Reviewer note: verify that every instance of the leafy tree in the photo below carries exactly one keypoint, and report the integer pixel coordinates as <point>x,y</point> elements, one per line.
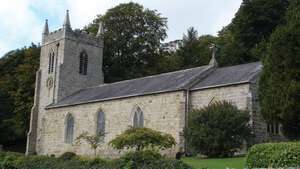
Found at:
<point>194,50</point>
<point>280,81</point>
<point>17,72</point>
<point>218,129</point>
<point>94,141</point>
<point>141,139</point>
<point>132,37</point>
<point>254,22</point>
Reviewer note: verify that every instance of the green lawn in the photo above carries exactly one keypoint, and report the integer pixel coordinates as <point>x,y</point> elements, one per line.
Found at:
<point>221,163</point>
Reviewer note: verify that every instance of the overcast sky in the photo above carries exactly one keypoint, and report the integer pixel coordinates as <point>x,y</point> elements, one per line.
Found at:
<point>21,21</point>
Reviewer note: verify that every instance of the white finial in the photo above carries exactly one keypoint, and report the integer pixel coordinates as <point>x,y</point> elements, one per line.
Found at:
<point>46,28</point>
<point>67,25</point>
<point>213,62</point>
<point>100,29</point>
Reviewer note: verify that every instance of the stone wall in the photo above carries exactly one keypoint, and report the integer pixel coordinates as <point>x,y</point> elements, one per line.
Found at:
<point>244,96</point>
<point>162,112</point>
<point>236,94</point>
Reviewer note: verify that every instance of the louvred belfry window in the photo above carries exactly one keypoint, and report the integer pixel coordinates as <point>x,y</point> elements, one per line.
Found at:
<point>51,62</point>
<point>83,63</point>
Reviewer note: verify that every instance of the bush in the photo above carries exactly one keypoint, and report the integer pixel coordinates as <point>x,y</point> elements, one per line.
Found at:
<point>140,157</point>
<point>274,155</point>
<point>153,160</point>
<point>217,130</point>
<point>142,138</point>
<point>67,156</point>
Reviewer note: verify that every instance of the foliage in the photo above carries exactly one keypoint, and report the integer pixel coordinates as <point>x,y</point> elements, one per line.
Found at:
<point>67,156</point>
<point>132,37</point>
<point>141,139</point>
<point>253,23</point>
<point>215,163</point>
<point>138,158</point>
<point>217,130</point>
<point>194,50</point>
<point>17,161</point>
<point>17,72</point>
<point>94,141</point>
<point>279,88</point>
<point>274,155</point>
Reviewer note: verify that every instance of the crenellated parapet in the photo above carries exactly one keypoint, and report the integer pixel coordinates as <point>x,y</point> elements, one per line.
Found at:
<point>66,32</point>
<point>76,35</point>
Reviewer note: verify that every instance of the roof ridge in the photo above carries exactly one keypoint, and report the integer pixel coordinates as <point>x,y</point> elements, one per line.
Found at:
<point>239,65</point>
<point>162,74</point>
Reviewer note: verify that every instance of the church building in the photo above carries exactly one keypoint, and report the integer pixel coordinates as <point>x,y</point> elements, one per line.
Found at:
<point>71,98</point>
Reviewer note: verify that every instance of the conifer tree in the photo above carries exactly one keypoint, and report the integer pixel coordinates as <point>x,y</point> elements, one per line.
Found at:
<point>280,81</point>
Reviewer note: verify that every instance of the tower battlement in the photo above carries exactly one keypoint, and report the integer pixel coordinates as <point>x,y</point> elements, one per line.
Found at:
<point>76,35</point>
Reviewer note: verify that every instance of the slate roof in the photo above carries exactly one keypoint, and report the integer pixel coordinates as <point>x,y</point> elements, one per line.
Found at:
<point>230,75</point>
<point>166,82</point>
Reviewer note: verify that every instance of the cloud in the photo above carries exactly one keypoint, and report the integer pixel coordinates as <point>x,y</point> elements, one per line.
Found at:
<point>19,25</point>
<point>22,20</point>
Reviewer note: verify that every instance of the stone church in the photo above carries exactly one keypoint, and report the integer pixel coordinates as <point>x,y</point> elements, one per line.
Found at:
<point>71,98</point>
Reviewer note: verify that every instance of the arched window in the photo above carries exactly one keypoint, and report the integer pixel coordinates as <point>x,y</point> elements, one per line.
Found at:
<point>69,131</point>
<point>138,118</point>
<point>83,63</point>
<point>51,62</point>
<point>100,122</point>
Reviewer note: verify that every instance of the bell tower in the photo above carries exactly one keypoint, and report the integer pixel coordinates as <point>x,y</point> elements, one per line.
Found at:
<point>70,60</point>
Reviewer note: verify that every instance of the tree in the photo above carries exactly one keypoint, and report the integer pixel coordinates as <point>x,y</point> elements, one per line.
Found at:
<point>141,139</point>
<point>279,89</point>
<point>17,72</point>
<point>255,21</point>
<point>194,50</point>
<point>218,129</point>
<point>132,37</point>
<point>94,141</point>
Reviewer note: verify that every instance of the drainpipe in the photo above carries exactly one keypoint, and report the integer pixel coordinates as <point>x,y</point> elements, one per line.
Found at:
<point>187,103</point>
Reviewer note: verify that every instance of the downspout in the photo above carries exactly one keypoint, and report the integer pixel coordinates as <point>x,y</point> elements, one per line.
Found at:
<point>186,116</point>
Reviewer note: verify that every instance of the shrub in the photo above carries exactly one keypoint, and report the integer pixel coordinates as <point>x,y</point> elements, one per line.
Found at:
<point>217,130</point>
<point>140,157</point>
<point>274,155</point>
<point>67,156</point>
<point>142,138</point>
<point>152,161</point>
<point>94,141</point>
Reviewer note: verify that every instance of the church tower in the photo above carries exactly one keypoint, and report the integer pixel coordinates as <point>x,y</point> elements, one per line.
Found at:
<point>70,60</point>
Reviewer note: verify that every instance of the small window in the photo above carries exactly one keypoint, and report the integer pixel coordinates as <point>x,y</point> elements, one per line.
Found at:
<point>51,62</point>
<point>69,131</point>
<point>83,63</point>
<point>100,123</point>
<point>138,118</point>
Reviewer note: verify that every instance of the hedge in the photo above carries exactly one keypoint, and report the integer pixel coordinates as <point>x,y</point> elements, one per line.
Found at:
<point>274,155</point>
<point>19,161</point>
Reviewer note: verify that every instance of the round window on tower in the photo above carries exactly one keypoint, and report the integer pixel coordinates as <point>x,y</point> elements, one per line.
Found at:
<point>49,83</point>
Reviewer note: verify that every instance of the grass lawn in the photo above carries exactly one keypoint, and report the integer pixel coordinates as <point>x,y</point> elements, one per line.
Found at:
<point>221,163</point>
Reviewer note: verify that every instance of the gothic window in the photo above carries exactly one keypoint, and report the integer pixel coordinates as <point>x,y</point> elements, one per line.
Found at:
<point>100,122</point>
<point>83,63</point>
<point>69,131</point>
<point>51,62</point>
<point>138,118</point>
